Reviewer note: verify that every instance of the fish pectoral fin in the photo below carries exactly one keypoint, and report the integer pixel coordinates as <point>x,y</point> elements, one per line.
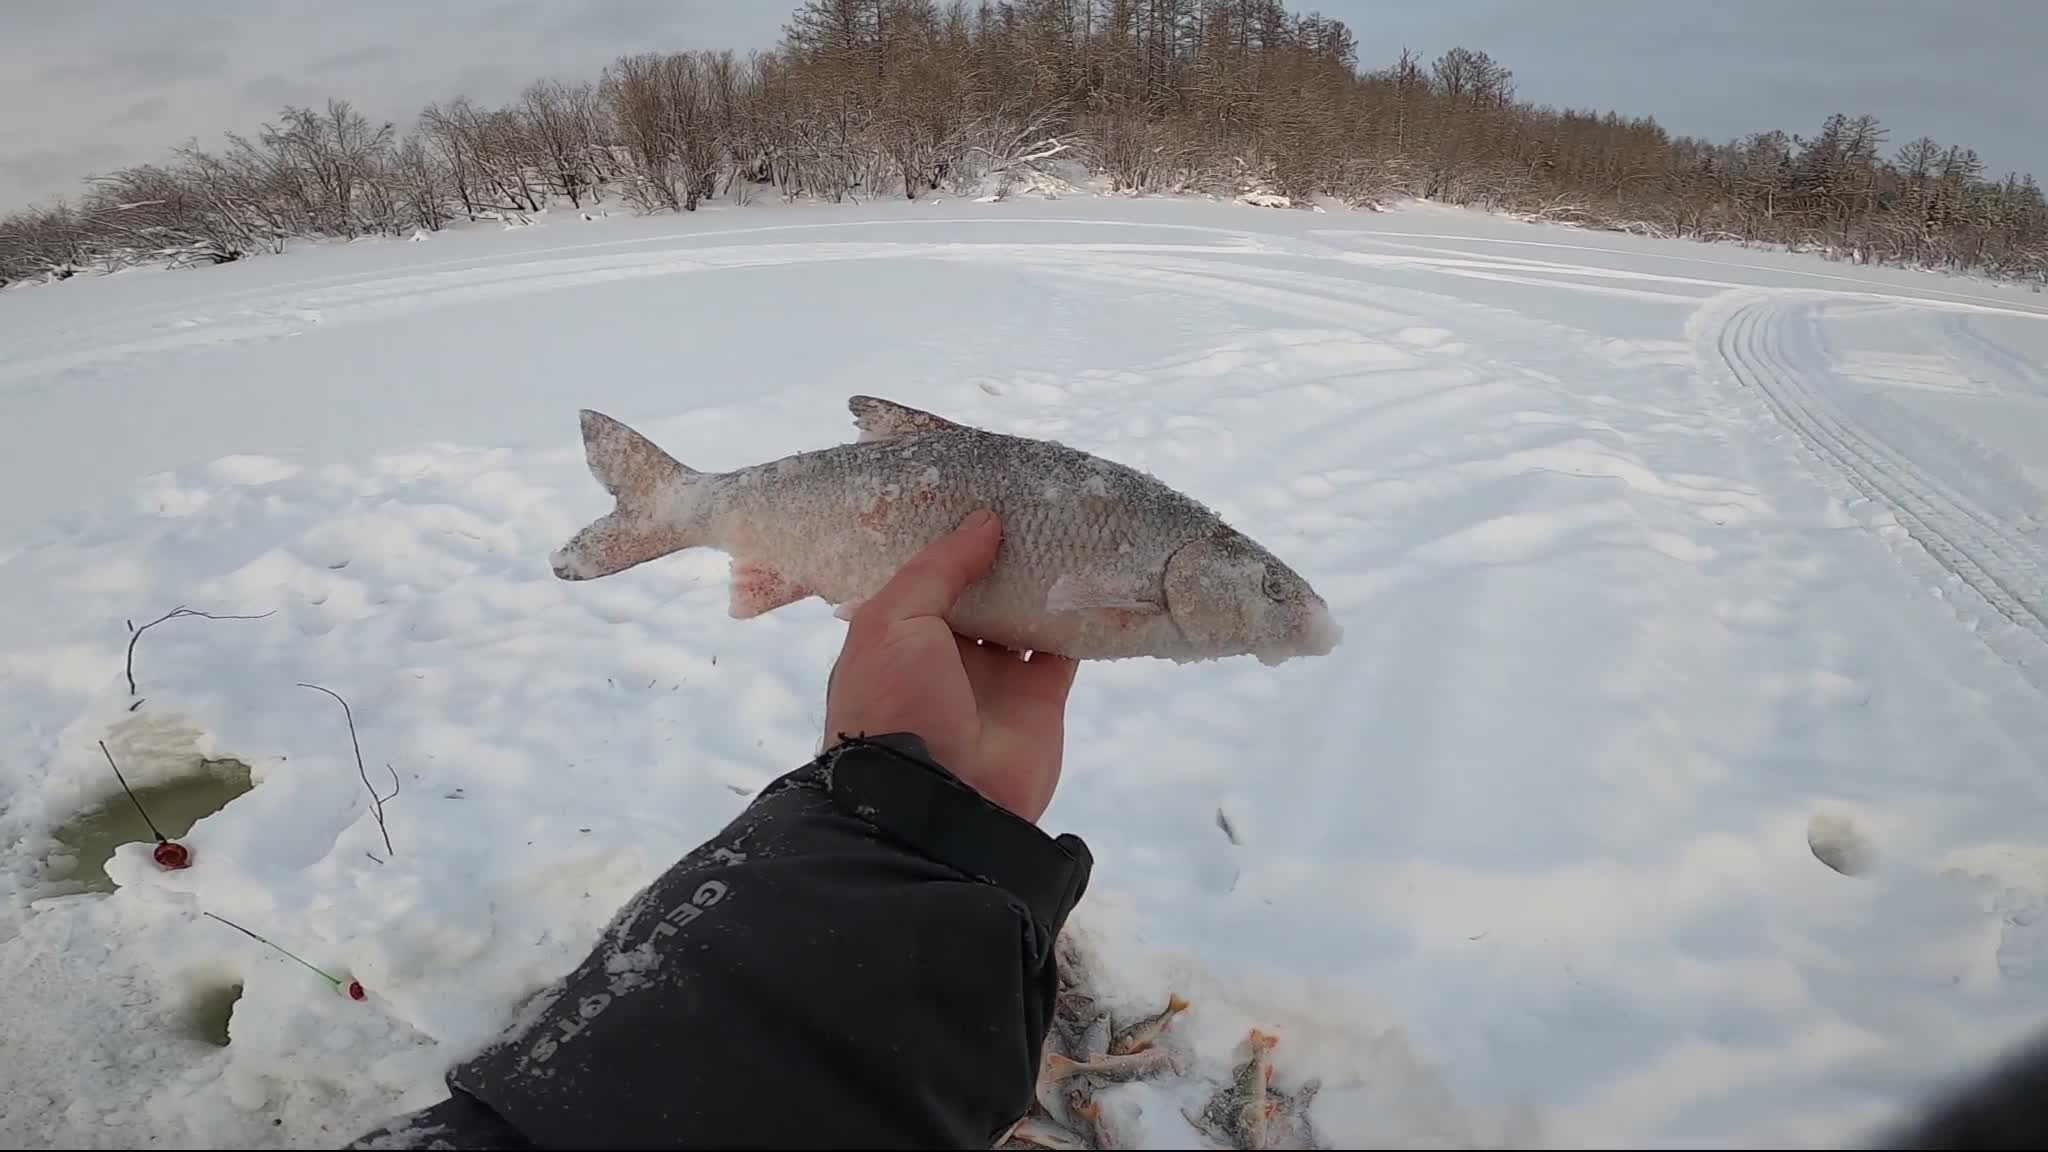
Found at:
<point>758,588</point>
<point>1072,593</point>
<point>880,419</point>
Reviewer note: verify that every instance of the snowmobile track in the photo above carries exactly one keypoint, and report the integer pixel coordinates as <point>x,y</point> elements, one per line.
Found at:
<point>1766,344</point>
<point>1972,345</point>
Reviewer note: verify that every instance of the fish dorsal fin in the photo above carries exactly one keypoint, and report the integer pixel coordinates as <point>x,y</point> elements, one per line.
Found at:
<point>885,420</point>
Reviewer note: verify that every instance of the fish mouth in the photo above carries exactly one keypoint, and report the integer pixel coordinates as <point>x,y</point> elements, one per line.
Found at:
<point>568,564</point>
<point>1318,634</point>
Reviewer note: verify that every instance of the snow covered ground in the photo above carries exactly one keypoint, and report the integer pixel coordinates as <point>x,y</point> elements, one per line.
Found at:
<point>1666,571</point>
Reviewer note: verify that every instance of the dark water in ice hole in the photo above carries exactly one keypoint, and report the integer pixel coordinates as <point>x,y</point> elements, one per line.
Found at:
<point>90,836</point>
<point>206,1017</point>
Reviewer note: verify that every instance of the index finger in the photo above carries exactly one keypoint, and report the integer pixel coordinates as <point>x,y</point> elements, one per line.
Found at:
<point>935,579</point>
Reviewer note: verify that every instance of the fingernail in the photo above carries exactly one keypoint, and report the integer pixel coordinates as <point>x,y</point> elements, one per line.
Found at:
<point>977,519</point>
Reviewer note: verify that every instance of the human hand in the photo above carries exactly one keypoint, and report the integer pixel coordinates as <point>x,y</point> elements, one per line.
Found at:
<point>992,718</point>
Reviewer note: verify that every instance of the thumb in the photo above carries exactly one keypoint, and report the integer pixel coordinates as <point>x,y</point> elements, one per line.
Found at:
<point>937,577</point>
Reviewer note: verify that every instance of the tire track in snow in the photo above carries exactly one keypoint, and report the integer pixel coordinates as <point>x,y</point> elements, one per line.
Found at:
<point>1873,289</point>
<point>1759,345</point>
<point>1971,343</point>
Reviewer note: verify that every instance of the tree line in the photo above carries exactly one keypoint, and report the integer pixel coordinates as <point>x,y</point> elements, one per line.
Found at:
<point>871,98</point>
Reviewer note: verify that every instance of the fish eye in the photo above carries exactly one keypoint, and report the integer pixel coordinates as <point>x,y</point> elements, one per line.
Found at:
<point>1274,589</point>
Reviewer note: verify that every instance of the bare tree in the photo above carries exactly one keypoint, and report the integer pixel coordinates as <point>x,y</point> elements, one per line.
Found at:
<point>329,162</point>
<point>423,184</point>
<point>557,134</point>
<point>445,133</point>
<point>634,90</point>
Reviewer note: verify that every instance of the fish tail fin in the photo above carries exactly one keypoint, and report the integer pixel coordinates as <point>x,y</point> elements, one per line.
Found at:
<point>1175,1004</point>
<point>654,513</point>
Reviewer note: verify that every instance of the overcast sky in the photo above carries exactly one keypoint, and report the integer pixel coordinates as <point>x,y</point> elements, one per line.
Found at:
<point>90,84</point>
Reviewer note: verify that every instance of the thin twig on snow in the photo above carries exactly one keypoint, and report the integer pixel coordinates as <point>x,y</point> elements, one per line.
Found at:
<point>135,633</point>
<point>376,802</point>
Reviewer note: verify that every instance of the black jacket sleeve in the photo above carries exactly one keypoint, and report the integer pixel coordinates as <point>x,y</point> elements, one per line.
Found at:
<point>862,958</point>
<point>2005,1107</point>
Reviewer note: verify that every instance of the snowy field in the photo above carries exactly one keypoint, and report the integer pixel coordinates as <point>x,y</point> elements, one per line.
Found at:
<point>1666,571</point>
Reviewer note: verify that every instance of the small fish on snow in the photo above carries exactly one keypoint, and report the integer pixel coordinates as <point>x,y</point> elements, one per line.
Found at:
<point>1140,1035</point>
<point>1104,1131</point>
<point>1240,1112</point>
<point>1116,565</point>
<point>1034,1132</point>
<point>1094,1039</point>
<point>1110,1069</point>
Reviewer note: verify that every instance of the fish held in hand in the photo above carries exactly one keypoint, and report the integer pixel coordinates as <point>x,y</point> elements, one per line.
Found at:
<point>1098,561</point>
